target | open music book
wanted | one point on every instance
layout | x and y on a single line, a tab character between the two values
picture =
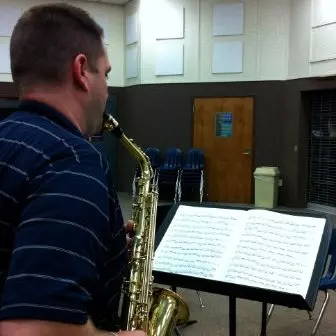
256	248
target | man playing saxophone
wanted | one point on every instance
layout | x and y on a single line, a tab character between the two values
63	247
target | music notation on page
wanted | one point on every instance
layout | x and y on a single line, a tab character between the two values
257	248
277	251
199	239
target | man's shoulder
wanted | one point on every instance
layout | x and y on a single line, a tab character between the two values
22	125
52	139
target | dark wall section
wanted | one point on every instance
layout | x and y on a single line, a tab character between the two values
162	116
7	90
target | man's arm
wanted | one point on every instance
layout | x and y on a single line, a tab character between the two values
45	328
59	244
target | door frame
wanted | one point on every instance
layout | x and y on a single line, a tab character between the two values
253	132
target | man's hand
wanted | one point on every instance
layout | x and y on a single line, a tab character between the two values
129	228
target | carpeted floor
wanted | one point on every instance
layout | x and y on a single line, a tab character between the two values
213	318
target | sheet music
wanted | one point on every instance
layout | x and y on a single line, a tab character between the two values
199	242
277	252
256	248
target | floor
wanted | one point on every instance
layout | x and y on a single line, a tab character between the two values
213	318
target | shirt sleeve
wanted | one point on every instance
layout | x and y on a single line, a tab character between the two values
59	245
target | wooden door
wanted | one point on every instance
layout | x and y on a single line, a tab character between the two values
223	127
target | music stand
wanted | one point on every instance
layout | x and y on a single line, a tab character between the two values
236	290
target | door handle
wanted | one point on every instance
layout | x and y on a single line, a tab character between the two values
248	152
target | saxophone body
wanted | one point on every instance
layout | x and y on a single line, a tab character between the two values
155	311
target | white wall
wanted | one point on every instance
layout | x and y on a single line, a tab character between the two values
109	16
150	45
299	39
282	39
133	47
249	39
273	39
323	38
312	38
265	40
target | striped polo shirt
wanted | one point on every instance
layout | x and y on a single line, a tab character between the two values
62	240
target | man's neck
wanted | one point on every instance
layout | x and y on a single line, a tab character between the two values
61	103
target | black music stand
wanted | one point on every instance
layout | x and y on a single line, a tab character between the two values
243	291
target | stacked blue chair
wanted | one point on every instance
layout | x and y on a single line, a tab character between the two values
193	171
327	283
170	171
154	156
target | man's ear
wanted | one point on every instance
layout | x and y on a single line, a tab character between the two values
80	72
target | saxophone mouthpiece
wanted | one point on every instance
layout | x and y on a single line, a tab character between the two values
111	125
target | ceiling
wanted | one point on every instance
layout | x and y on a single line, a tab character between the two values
115	2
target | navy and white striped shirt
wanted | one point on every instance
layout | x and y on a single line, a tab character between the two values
62	246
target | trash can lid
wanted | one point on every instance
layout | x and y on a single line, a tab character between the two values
267	171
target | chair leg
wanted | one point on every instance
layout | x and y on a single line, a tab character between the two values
200	299
176	189
178	192
154	180
157	176
201	187
324	306
310	315
269	314
180	185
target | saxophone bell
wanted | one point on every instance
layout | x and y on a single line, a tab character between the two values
154	310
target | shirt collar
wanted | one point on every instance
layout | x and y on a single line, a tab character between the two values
43	109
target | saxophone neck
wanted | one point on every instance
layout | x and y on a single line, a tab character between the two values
111	125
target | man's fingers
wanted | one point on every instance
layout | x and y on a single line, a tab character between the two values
129	240
129	226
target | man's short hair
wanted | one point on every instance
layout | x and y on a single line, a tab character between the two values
47	38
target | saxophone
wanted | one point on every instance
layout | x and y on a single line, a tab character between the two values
155	311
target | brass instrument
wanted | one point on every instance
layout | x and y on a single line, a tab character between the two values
155	311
